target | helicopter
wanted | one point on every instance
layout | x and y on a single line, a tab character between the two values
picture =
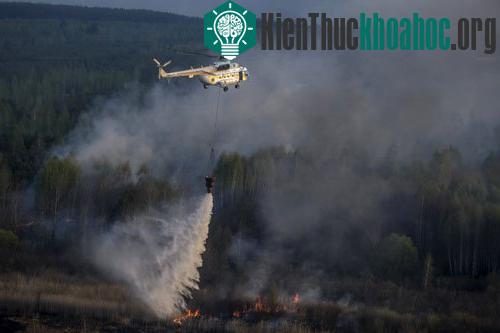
222	73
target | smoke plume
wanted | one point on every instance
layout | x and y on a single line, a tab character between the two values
339	107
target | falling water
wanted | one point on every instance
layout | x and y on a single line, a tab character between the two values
158	254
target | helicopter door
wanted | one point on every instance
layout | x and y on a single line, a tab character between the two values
241	76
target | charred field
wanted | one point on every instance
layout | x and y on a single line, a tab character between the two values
53	302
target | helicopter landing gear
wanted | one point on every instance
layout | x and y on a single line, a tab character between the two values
226	88
205	86
237	86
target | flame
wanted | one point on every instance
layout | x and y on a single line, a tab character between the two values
259	306
185	316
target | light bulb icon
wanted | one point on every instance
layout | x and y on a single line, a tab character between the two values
230	28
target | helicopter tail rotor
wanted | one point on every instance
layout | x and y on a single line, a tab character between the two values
161	71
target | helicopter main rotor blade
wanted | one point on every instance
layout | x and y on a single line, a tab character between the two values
196	53
157	62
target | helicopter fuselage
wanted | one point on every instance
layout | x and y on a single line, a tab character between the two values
225	77
222	74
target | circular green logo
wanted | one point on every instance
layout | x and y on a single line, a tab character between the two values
230	30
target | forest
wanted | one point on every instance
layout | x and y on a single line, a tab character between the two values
414	245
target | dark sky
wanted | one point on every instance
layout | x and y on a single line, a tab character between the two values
198	7
300	7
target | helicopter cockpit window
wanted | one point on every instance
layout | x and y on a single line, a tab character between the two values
223	67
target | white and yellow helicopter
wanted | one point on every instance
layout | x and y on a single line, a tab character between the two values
221	73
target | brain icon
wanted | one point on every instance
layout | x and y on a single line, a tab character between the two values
230	26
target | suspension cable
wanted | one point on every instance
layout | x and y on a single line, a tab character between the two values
211	160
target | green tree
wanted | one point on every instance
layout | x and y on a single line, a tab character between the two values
491	169
5	191
57	185
395	257
9	245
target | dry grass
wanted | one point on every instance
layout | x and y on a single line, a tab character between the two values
54	293
55	302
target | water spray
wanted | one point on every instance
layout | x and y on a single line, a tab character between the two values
158	255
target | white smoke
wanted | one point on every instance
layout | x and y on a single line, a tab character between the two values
158	254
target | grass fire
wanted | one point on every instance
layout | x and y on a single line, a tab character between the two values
186	316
